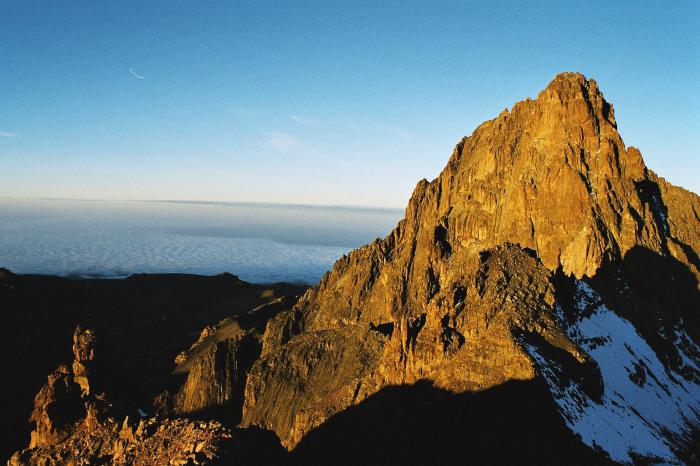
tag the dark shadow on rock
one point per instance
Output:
(513, 423)
(254, 445)
(144, 321)
(655, 293)
(650, 194)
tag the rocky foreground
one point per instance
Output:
(139, 326)
(538, 304)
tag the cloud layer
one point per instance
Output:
(118, 239)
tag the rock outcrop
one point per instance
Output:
(75, 425)
(84, 365)
(466, 341)
(58, 407)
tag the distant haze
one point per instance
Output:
(316, 102)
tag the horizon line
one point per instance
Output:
(210, 202)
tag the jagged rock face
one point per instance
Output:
(312, 377)
(681, 212)
(217, 364)
(552, 175)
(448, 297)
(59, 405)
(465, 340)
(217, 377)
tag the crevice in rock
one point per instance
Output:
(432, 284)
(413, 328)
(452, 340)
(386, 329)
(459, 295)
(440, 238)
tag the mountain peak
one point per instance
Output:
(573, 86)
(570, 89)
(570, 80)
(465, 282)
(554, 175)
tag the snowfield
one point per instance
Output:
(646, 409)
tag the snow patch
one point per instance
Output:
(646, 409)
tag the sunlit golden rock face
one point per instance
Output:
(446, 296)
(217, 364)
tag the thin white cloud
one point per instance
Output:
(7, 134)
(281, 141)
(136, 75)
(302, 120)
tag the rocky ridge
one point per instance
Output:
(447, 297)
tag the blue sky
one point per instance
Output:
(315, 102)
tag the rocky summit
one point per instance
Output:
(538, 304)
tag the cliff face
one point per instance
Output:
(449, 298)
(551, 175)
(217, 364)
(462, 341)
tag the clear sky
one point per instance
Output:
(316, 102)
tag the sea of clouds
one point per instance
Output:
(260, 243)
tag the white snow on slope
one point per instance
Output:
(646, 418)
